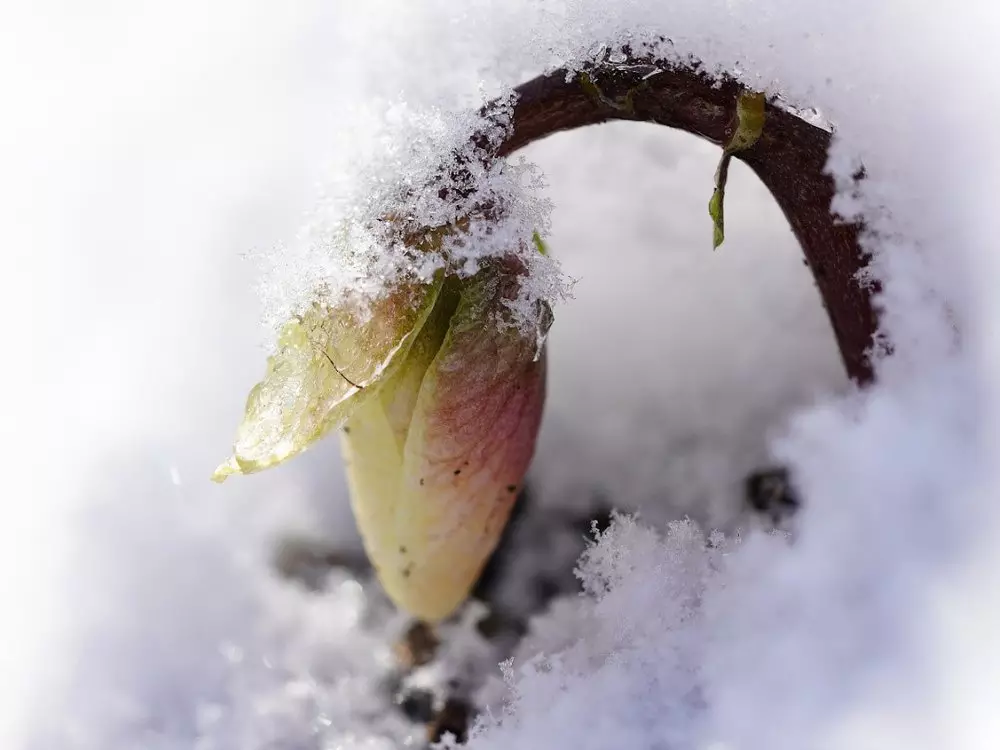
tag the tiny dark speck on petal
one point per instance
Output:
(402, 550)
(421, 481)
(457, 472)
(347, 430)
(511, 488)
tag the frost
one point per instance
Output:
(637, 656)
(429, 175)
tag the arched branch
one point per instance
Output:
(789, 159)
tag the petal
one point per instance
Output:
(374, 438)
(468, 446)
(329, 361)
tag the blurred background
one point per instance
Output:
(674, 364)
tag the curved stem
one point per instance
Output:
(789, 158)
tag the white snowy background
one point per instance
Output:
(146, 148)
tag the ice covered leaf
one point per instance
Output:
(749, 125)
(435, 462)
(328, 361)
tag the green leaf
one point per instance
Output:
(750, 116)
(718, 218)
(539, 243)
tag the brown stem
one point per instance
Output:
(789, 159)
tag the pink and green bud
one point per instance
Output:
(439, 396)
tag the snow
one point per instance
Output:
(149, 148)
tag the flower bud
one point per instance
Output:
(435, 463)
(440, 398)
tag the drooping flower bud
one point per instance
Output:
(440, 398)
(435, 463)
